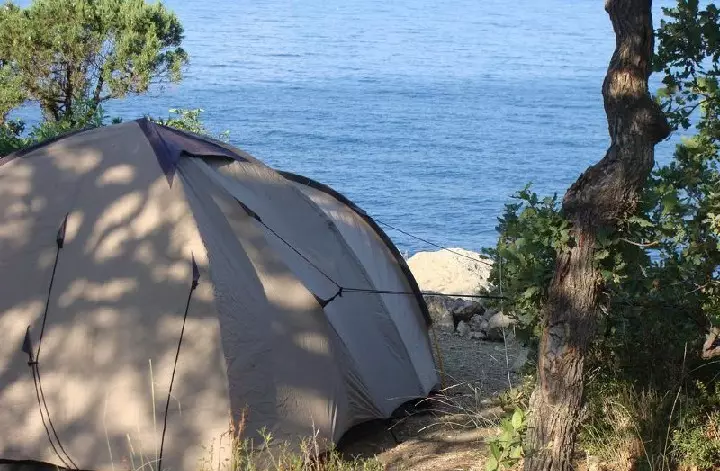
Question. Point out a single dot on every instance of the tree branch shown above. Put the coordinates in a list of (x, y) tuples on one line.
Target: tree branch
[(638, 244), (98, 88), (711, 347)]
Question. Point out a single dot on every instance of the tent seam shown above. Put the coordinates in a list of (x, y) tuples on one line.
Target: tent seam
[(349, 251), (373, 225)]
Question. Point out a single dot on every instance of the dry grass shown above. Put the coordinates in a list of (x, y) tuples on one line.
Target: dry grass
[(447, 431)]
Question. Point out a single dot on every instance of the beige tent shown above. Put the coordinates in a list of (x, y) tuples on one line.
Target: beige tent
[(286, 329)]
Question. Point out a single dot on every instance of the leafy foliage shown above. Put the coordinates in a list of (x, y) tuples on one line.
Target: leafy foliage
[(59, 52), (689, 58), (696, 440), (10, 139), (189, 120), (660, 294), (660, 270), (531, 230), (506, 450), (13, 135)]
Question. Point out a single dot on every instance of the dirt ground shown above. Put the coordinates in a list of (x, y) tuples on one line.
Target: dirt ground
[(446, 431)]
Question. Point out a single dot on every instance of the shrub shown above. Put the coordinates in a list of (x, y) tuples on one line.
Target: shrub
[(189, 120), (530, 230), (85, 116)]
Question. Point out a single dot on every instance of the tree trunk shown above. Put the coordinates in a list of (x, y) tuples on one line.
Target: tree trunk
[(600, 198)]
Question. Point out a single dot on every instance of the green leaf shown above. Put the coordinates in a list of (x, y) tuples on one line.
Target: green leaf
[(518, 418), (492, 464), (642, 222), (495, 450), (602, 254), (516, 452)]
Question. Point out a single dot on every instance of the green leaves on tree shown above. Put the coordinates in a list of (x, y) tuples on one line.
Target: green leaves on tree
[(60, 52)]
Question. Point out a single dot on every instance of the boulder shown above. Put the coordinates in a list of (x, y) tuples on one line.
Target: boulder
[(446, 311), (478, 323), (496, 323), (447, 272), (499, 320), (439, 313), (462, 329), (457, 272), (467, 311)]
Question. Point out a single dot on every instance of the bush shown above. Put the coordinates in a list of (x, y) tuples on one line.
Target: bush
[(10, 139), (12, 133), (696, 440), (189, 120), (530, 230), (13, 136), (661, 293)]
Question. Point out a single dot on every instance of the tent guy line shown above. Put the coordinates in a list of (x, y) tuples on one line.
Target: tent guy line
[(438, 246), (343, 289)]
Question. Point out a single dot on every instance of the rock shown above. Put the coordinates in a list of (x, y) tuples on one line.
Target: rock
[(447, 312), (478, 335), (444, 322), (447, 272), (454, 304), (462, 329), (496, 323), (520, 361), (495, 335), (499, 320), (439, 313), (477, 323), (467, 311)]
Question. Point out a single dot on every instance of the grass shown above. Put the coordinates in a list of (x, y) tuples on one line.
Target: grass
[(312, 454), (271, 456)]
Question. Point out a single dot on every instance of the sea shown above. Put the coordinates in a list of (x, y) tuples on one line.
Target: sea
[(428, 114)]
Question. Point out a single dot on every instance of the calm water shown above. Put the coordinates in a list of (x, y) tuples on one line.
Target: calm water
[(428, 114)]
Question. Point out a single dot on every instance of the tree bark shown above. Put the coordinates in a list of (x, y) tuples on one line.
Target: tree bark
[(600, 198)]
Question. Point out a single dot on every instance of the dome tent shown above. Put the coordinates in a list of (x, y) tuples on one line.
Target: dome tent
[(108, 313)]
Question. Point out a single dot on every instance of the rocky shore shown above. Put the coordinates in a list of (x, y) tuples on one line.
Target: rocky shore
[(459, 272)]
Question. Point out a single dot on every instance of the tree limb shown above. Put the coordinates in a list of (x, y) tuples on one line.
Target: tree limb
[(711, 348)]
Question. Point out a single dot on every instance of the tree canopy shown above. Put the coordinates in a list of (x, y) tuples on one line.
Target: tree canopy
[(60, 52)]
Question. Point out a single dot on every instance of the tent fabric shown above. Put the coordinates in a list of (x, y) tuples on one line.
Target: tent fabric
[(170, 144), (260, 348)]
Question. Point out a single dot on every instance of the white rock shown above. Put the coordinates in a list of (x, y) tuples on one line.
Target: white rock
[(445, 272), (439, 313), (500, 320), (496, 323)]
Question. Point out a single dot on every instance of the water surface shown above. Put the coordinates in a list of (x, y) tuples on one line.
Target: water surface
[(427, 114)]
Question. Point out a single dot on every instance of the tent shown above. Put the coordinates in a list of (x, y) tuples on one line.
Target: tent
[(152, 280)]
